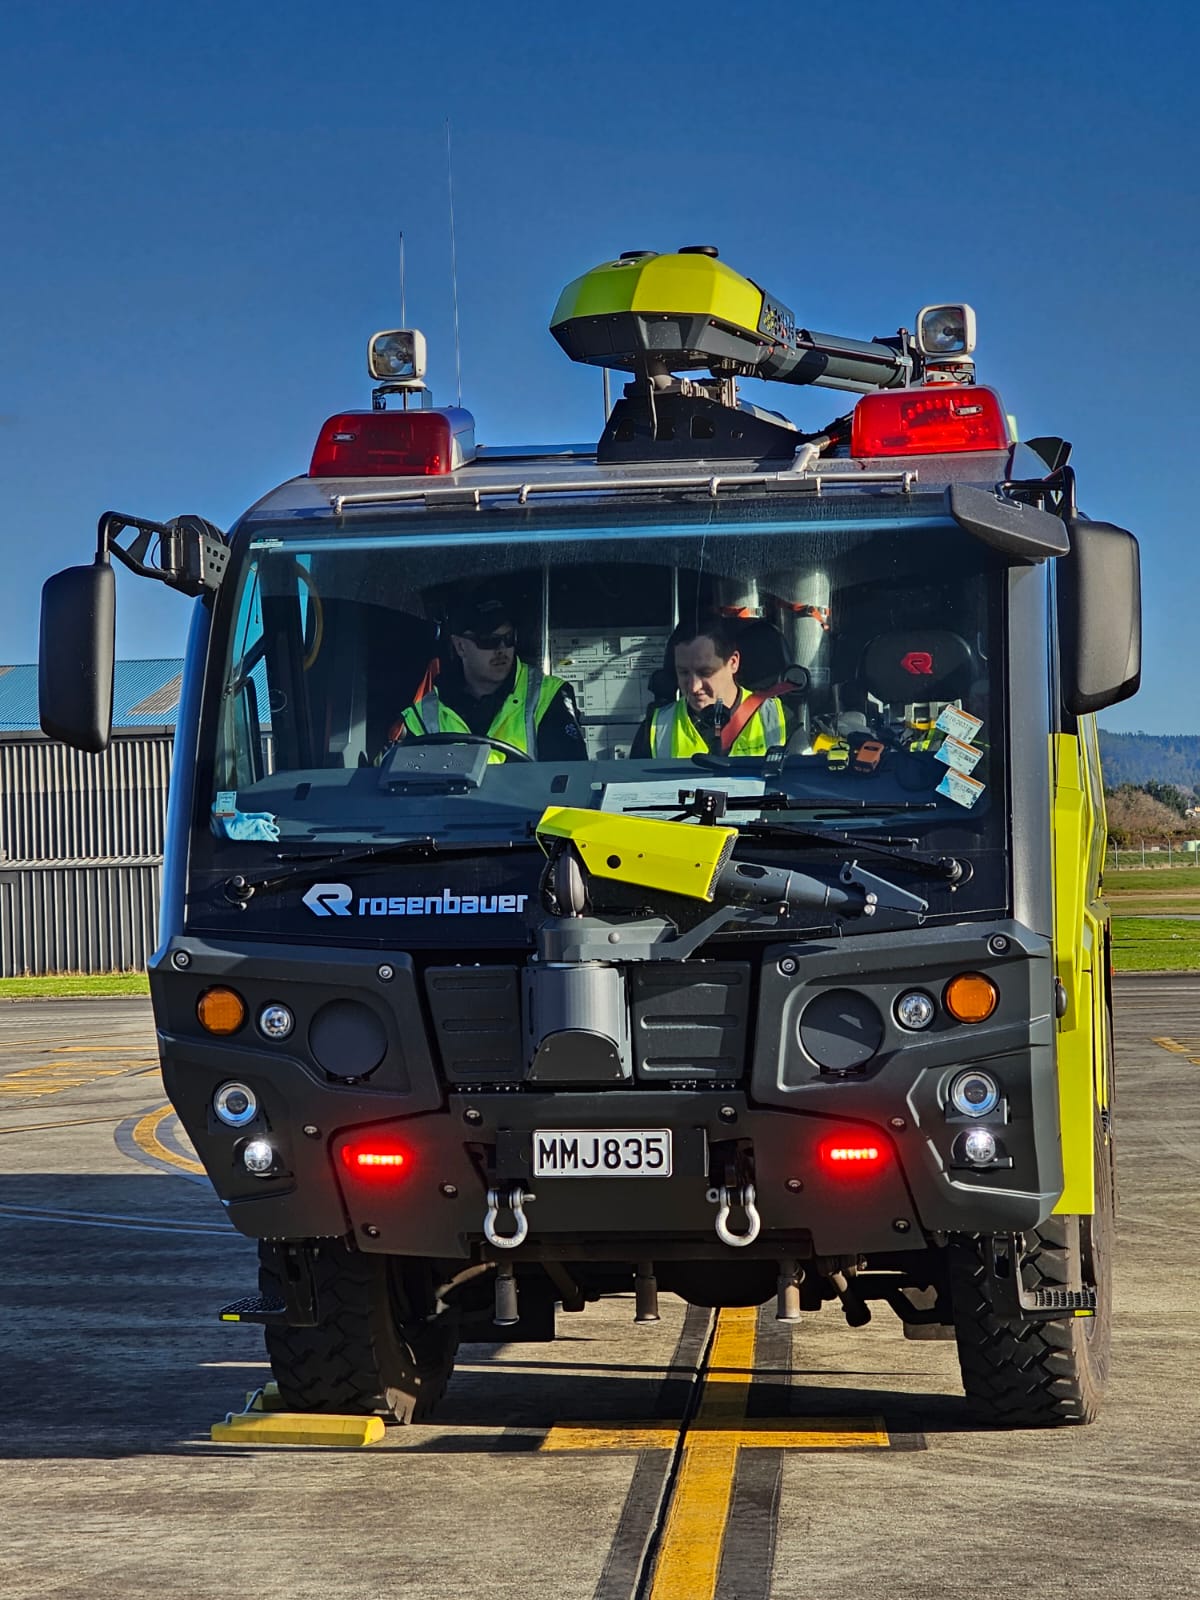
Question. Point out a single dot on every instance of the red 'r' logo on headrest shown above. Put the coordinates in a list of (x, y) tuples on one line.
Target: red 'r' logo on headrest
[(919, 663)]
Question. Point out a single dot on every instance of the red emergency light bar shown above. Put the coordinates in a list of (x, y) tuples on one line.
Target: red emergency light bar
[(377, 1158), (930, 421), (394, 444), (847, 1155)]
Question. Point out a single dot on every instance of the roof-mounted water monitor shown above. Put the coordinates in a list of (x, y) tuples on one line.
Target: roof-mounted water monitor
[(670, 319)]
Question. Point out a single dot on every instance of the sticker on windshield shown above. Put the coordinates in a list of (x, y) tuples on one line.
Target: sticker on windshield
[(225, 805), (957, 786), (962, 757), (961, 724)]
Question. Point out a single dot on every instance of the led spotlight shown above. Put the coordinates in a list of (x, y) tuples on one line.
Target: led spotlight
[(397, 355), (975, 1094), (946, 330), (235, 1104), (979, 1147), (275, 1021), (258, 1157), (915, 1010)]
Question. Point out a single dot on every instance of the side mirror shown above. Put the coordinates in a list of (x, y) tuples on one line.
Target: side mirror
[(75, 656), (1099, 617)]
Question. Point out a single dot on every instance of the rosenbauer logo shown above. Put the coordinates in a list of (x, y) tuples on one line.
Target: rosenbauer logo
[(337, 900)]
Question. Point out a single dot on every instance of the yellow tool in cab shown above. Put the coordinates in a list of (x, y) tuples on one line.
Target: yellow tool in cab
[(673, 857)]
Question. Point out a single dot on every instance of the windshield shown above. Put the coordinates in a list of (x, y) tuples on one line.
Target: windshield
[(382, 684)]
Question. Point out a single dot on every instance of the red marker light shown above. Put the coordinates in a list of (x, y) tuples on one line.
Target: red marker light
[(845, 1156), (382, 1158), (394, 444), (929, 421)]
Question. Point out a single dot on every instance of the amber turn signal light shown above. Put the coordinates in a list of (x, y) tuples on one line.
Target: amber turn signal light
[(971, 997), (221, 1011)]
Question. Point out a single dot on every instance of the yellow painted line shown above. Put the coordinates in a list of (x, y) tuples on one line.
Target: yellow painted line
[(730, 1365), (1173, 1045), (765, 1433), (689, 1557), (611, 1436), (297, 1427), (145, 1136), (40, 1127), (825, 1433), (54, 1077)]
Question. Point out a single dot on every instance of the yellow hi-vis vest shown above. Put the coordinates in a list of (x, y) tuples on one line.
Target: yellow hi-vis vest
[(673, 731), (516, 722)]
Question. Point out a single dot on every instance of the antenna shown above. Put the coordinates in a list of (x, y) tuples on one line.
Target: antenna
[(453, 263), (403, 310)]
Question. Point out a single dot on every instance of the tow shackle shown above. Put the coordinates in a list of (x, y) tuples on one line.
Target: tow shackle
[(515, 1201), (724, 1198)]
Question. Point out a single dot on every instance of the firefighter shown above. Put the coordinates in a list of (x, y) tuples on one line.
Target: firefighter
[(485, 688), (714, 713)]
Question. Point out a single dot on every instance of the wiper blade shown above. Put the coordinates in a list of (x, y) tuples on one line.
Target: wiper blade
[(424, 847), (708, 806), (947, 868)]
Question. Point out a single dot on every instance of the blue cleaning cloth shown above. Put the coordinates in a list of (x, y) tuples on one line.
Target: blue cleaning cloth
[(248, 825)]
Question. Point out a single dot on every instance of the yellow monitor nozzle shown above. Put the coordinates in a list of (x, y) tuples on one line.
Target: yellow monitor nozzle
[(672, 857)]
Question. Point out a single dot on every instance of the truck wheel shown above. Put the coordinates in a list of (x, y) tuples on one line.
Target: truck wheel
[(381, 1345), (1025, 1374)]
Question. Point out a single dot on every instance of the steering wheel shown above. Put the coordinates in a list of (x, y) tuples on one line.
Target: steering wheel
[(509, 750)]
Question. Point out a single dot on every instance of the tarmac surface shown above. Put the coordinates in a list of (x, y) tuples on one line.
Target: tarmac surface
[(822, 1463)]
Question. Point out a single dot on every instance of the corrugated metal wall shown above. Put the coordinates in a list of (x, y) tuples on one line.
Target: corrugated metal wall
[(80, 854), (57, 804), (77, 919)]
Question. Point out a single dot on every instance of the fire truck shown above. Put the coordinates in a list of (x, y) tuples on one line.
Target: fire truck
[(670, 864)]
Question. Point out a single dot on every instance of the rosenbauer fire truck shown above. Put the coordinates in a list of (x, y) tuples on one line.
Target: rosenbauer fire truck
[(806, 998)]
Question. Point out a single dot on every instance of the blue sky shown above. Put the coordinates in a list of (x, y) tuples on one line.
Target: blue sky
[(204, 204)]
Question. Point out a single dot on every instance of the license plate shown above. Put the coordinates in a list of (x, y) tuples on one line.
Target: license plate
[(602, 1153)]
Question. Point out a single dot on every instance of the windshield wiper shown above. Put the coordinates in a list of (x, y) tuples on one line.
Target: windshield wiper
[(709, 805), (424, 847), (948, 868)]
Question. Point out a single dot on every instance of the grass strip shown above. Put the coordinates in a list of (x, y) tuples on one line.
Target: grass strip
[(96, 985), (1161, 944), (1155, 880)]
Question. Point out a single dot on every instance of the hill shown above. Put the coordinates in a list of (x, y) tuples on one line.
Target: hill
[(1145, 757)]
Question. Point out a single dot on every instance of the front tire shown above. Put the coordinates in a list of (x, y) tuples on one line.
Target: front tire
[(1026, 1374), (382, 1345)]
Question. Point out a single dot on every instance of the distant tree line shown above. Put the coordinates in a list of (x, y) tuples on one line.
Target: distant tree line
[(1150, 781), (1154, 812), (1145, 758)]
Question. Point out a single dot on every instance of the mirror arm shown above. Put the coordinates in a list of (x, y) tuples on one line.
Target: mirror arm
[(192, 555)]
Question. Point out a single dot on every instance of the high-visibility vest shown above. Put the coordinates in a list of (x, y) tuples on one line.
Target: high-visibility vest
[(671, 729), (516, 722)]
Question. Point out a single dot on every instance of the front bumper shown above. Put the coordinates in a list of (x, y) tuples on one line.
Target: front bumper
[(767, 1130)]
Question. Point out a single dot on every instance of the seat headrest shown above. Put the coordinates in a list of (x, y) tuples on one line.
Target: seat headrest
[(910, 664)]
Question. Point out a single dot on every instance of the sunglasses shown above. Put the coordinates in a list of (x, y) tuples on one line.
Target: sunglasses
[(494, 641)]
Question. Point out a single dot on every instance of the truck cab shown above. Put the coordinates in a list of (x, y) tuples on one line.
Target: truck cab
[(664, 865)]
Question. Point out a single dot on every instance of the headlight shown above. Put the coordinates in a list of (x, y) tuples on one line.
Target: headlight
[(235, 1104), (979, 1147), (915, 1010), (275, 1021), (258, 1157), (974, 1094)]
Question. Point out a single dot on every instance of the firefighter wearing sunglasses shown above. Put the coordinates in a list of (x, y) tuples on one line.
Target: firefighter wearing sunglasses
[(486, 689)]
